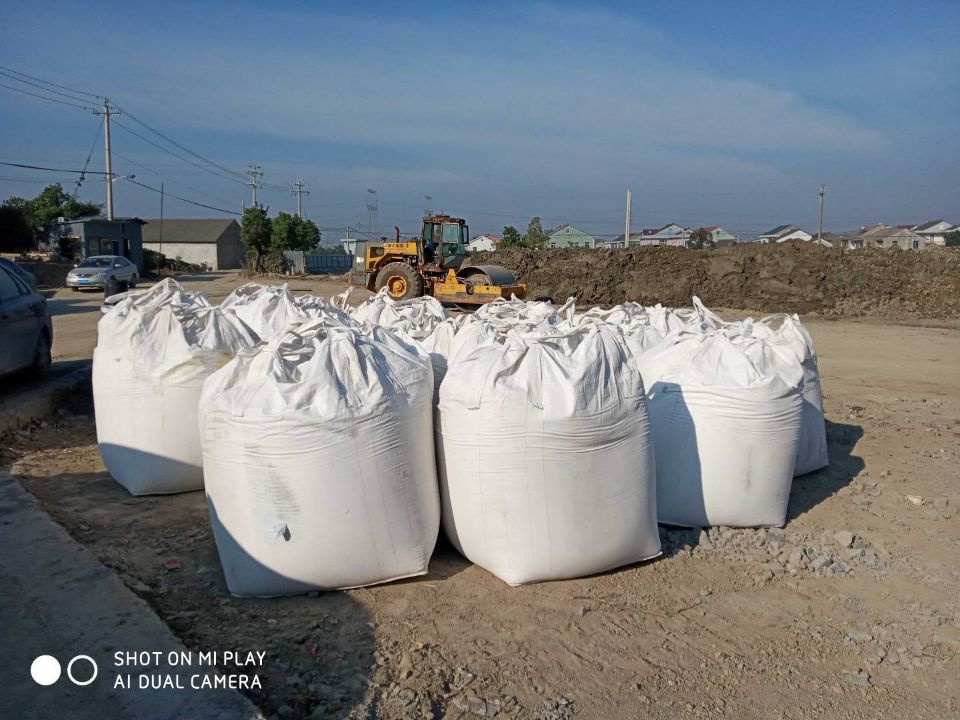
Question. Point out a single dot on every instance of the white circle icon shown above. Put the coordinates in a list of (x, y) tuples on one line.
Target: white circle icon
[(45, 670), (70, 670)]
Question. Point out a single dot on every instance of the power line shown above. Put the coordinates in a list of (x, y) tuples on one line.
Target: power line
[(182, 199), (179, 157), (134, 182), (44, 97), (50, 169), (47, 82), (168, 179), (41, 87), (181, 147), (87, 163)]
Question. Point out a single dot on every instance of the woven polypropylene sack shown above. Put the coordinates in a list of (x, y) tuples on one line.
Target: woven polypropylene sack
[(148, 369), (546, 460), (319, 462), (726, 428)]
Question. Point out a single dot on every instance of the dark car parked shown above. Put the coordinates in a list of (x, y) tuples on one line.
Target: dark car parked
[(24, 275), (26, 332)]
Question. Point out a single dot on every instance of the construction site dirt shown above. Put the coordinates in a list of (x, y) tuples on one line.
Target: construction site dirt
[(789, 277), (849, 611)]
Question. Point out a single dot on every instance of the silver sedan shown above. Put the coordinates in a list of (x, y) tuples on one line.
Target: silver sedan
[(95, 271)]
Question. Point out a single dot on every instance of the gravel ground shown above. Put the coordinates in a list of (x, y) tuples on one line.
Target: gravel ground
[(849, 611)]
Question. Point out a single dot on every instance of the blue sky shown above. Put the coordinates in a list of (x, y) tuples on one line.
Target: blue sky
[(712, 113)]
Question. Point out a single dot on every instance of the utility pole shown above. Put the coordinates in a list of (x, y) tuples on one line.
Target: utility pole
[(626, 229), (821, 193), (298, 191), (107, 111), (160, 251), (372, 206), (255, 172)]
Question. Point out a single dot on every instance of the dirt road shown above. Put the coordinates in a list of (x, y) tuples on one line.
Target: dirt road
[(75, 314), (851, 611)]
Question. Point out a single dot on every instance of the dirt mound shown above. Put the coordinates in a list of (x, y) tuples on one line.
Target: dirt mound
[(792, 276)]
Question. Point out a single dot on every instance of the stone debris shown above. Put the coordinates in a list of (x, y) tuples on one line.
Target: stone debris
[(776, 549), (559, 708)]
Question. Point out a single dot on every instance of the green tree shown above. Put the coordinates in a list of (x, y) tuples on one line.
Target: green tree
[(54, 202), (701, 239), (511, 237), (535, 237), (953, 238), (16, 235), (255, 233), (42, 212), (290, 232)]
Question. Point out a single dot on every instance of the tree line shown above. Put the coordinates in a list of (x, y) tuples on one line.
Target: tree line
[(24, 222), (266, 238)]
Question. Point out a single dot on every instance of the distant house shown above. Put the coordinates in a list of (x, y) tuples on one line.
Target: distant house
[(89, 236), (782, 233), (670, 234), (935, 231), (610, 243), (720, 236), (569, 236), (884, 236), (484, 243), (214, 242)]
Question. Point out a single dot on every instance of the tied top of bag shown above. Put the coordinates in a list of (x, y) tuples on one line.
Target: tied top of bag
[(322, 370), (423, 313), (271, 309), (547, 368)]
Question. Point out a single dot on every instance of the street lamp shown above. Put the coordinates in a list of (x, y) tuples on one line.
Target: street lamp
[(122, 177)]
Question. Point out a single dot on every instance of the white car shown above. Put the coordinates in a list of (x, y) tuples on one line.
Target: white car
[(95, 271)]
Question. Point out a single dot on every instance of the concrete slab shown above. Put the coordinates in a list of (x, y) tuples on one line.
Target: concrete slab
[(57, 599)]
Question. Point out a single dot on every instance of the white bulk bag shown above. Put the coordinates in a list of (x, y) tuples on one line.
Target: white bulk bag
[(381, 309), (726, 425), (791, 340), (148, 368), (436, 342), (268, 309), (165, 292), (319, 462), (316, 308), (546, 460), (515, 311)]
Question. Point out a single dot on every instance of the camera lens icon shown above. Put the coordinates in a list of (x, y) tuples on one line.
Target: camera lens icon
[(46, 670)]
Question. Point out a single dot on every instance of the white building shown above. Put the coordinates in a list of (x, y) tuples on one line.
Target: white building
[(670, 234), (935, 231), (213, 242), (483, 243), (782, 233)]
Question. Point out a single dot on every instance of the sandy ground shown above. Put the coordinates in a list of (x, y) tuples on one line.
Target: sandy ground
[(75, 314), (851, 611)]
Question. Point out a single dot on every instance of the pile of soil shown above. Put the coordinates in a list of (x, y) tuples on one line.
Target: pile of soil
[(787, 277)]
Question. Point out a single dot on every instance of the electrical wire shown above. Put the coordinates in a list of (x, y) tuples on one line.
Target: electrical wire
[(47, 82), (129, 180), (44, 97), (180, 157), (182, 199), (41, 87), (82, 177), (50, 169), (169, 180), (181, 147)]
